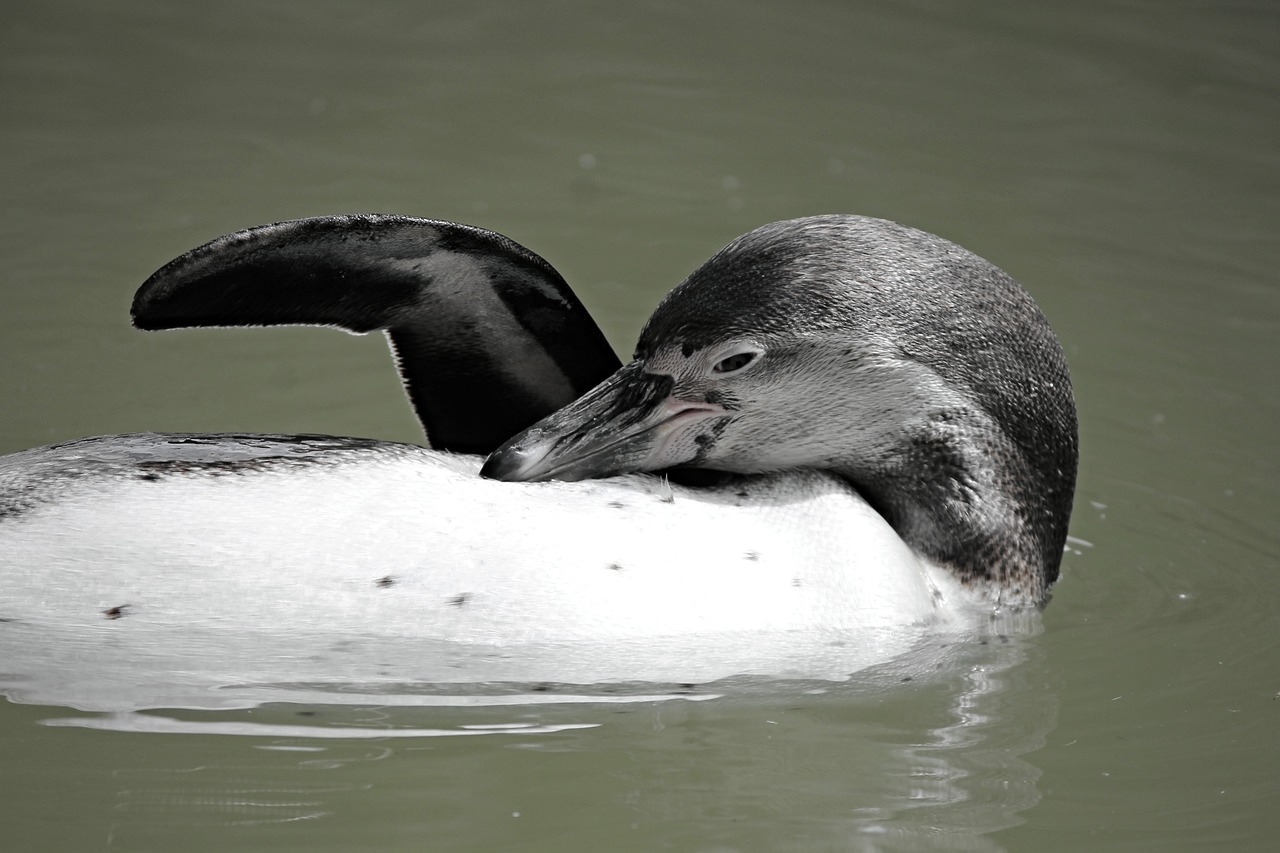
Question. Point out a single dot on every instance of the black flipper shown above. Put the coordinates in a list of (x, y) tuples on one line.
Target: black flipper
[(488, 337)]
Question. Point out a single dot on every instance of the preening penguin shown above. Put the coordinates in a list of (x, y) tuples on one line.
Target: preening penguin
[(893, 416), (913, 369)]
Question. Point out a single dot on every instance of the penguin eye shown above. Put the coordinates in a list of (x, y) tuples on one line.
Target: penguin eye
[(735, 362)]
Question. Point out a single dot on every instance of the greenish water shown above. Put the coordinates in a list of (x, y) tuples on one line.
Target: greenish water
[(1119, 158)]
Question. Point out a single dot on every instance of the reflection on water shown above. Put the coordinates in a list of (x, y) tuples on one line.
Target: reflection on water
[(204, 667), (132, 721), (881, 763)]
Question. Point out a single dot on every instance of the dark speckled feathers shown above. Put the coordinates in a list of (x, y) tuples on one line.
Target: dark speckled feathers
[(32, 478)]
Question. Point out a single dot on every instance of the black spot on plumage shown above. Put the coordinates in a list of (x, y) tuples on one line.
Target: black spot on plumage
[(460, 599), (385, 581), (117, 612)]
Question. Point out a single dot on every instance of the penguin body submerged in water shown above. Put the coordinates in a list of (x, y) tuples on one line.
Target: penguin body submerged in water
[(892, 415)]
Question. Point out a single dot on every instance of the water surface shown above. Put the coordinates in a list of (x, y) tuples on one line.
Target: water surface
[(1119, 158)]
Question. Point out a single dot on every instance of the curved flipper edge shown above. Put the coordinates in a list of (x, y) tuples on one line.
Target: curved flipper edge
[(487, 335)]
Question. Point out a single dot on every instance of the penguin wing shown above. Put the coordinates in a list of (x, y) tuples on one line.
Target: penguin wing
[(487, 335)]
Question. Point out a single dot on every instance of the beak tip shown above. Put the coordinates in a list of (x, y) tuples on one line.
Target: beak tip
[(607, 431), (517, 461), (501, 465)]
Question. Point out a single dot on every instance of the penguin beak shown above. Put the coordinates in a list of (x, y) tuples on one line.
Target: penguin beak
[(630, 422)]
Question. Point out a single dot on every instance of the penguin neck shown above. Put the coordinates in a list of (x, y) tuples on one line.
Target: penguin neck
[(952, 503)]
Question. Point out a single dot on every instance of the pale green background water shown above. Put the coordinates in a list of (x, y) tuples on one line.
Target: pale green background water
[(1122, 159)]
